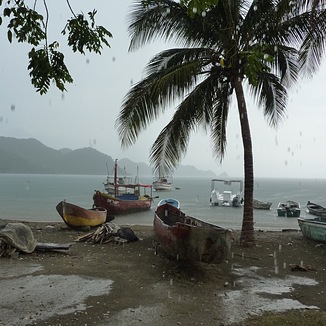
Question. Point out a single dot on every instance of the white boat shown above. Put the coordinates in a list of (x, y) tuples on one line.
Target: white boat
[(162, 182), (226, 197)]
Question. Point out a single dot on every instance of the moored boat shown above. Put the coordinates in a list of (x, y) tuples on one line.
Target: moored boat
[(125, 203), (289, 208), (227, 197), (316, 209), (313, 229), (131, 198), (170, 201), (188, 238), (75, 216), (162, 182), (259, 204)]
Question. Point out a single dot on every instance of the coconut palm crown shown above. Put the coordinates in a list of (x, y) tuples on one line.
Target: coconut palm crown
[(259, 45)]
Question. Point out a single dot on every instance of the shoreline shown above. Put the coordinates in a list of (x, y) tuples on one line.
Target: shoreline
[(130, 284)]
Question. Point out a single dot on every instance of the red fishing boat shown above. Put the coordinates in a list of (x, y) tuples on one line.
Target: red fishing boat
[(136, 198), (188, 238)]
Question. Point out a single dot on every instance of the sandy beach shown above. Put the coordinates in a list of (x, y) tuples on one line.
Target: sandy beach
[(279, 281)]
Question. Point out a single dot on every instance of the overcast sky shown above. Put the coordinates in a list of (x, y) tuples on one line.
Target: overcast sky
[(85, 115)]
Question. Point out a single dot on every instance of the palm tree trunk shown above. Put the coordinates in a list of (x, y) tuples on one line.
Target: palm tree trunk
[(247, 237)]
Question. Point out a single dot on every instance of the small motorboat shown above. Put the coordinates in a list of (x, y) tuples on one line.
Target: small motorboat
[(316, 209), (170, 201), (289, 208), (259, 204), (227, 197)]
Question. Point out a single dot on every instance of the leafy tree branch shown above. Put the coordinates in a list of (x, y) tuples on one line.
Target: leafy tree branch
[(46, 63)]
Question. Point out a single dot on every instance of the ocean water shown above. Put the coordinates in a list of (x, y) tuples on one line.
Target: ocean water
[(29, 197)]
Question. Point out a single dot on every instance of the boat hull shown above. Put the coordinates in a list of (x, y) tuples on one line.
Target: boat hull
[(313, 229), (315, 209), (289, 209), (187, 238), (258, 204), (117, 206), (160, 186), (75, 216)]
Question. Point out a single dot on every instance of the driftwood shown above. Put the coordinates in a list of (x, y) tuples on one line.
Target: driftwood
[(109, 232)]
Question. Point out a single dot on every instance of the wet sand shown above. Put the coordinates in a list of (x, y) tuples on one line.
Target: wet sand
[(132, 284)]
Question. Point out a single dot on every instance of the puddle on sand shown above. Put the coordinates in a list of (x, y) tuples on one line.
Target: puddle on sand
[(34, 298), (15, 268), (239, 304)]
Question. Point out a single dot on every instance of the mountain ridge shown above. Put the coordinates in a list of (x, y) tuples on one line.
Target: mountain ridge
[(31, 156)]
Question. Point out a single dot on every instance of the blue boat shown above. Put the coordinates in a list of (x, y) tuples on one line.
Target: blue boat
[(170, 201)]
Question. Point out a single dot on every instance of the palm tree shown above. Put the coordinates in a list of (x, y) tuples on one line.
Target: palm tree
[(261, 45)]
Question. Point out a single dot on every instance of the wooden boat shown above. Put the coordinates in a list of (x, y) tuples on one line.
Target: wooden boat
[(136, 197), (75, 216), (258, 204), (314, 229), (170, 201), (289, 208), (316, 209), (162, 182), (188, 238), (228, 197), (125, 203)]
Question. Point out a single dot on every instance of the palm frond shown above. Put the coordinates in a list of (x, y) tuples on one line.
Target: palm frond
[(272, 96), (196, 110), (170, 76)]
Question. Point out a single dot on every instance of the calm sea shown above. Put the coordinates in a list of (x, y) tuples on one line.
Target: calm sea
[(28, 197)]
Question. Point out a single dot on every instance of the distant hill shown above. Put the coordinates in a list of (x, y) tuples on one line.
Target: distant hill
[(31, 156)]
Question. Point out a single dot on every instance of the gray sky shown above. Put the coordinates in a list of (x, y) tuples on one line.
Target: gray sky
[(85, 115)]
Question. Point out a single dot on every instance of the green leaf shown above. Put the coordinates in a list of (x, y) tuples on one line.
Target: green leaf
[(9, 35)]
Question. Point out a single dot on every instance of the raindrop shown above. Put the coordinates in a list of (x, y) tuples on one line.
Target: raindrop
[(276, 141), (286, 162), (1, 119), (168, 10), (113, 59), (12, 107), (194, 10), (275, 48), (276, 269), (284, 265), (255, 7), (203, 14), (300, 133), (87, 61), (62, 96), (289, 149)]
